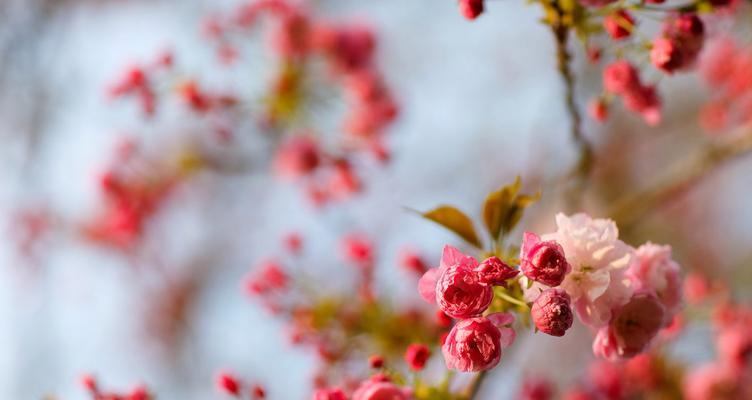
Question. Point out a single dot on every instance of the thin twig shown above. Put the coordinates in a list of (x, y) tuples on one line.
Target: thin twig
[(632, 209), (581, 171), (475, 384)]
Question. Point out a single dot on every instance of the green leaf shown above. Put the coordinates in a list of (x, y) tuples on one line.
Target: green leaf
[(456, 221)]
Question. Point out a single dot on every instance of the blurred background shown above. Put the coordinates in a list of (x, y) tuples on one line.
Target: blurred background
[(479, 104)]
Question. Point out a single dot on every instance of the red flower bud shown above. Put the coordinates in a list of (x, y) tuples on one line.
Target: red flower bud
[(416, 356), (552, 313)]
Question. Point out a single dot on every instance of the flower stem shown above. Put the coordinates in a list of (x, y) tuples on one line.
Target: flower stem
[(475, 384), (511, 299)]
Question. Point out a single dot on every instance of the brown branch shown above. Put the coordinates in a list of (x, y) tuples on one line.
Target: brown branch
[(581, 170), (633, 208), (475, 384)]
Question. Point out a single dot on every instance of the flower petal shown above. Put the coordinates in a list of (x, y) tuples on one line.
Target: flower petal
[(427, 285)]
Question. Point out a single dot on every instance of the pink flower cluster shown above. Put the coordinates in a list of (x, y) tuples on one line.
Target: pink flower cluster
[(471, 9), (544, 262), (463, 289), (628, 295), (729, 375), (299, 44), (727, 68), (349, 52), (138, 81), (95, 391), (679, 44), (231, 385), (622, 79), (133, 187), (377, 387)]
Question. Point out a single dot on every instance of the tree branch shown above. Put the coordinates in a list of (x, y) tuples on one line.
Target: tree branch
[(633, 208), (581, 170), (475, 384)]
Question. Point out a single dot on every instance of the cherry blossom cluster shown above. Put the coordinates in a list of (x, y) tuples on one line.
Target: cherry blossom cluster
[(729, 374), (93, 388), (463, 289), (658, 374), (341, 329), (626, 295), (228, 383), (134, 186), (312, 57), (611, 32), (727, 69)]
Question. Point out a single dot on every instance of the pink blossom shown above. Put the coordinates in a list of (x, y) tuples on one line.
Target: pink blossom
[(329, 394), (552, 313), (715, 381), (543, 261), (293, 37), (416, 356), (476, 344), (455, 286), (653, 271), (493, 271), (536, 388), (357, 249), (598, 110), (376, 361), (620, 77), (644, 100), (343, 181), (349, 48), (471, 9), (696, 288), (379, 388), (461, 294), (734, 345), (619, 25), (296, 157), (599, 261), (596, 3), (270, 276), (680, 43), (412, 261), (664, 54), (607, 379), (632, 329), (293, 242), (228, 383)]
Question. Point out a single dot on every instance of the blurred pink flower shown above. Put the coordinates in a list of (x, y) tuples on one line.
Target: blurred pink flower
[(296, 157), (416, 356), (379, 388), (715, 381), (632, 329), (679, 44), (471, 9), (653, 271), (329, 394)]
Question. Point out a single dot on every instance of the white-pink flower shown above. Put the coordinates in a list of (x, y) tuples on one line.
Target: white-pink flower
[(653, 271), (598, 282)]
